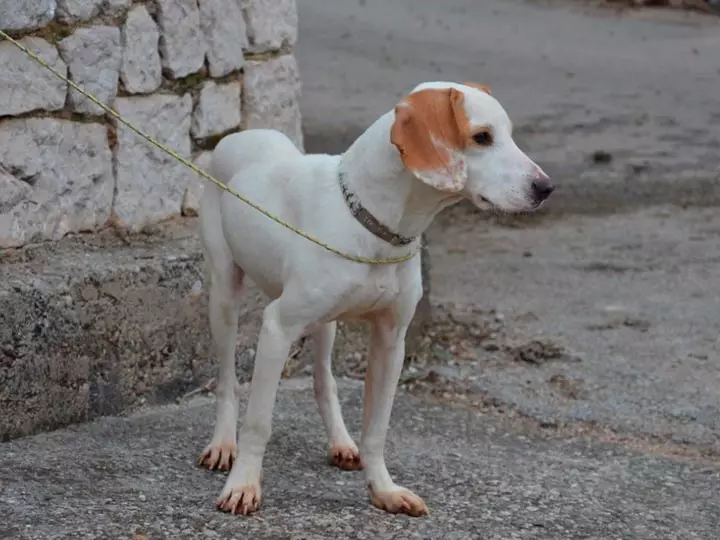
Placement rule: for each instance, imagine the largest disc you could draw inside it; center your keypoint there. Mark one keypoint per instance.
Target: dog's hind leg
(343, 452)
(226, 282)
(224, 310)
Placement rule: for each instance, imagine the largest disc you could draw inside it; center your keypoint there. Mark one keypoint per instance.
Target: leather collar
(366, 219)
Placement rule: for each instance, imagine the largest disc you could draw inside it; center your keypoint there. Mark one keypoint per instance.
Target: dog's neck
(391, 193)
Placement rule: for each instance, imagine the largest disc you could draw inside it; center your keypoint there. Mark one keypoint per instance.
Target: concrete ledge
(92, 324)
(97, 324)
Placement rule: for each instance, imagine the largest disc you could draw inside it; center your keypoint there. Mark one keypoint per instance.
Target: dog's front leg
(241, 494)
(385, 362)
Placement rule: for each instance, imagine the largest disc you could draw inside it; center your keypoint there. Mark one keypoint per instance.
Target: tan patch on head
(481, 87)
(431, 129)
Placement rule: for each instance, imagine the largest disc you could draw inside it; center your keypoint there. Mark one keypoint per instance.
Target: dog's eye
(483, 138)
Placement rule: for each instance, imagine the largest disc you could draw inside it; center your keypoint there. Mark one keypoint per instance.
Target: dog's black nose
(542, 188)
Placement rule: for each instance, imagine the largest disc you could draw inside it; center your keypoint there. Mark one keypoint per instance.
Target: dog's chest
(379, 291)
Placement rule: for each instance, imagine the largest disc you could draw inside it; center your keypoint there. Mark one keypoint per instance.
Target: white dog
(440, 144)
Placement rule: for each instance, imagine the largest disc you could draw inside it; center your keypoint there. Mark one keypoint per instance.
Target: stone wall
(185, 71)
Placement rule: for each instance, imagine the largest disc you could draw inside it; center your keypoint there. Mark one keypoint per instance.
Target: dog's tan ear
(481, 87)
(430, 131)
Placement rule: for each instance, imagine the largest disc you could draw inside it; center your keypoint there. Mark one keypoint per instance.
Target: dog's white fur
(310, 288)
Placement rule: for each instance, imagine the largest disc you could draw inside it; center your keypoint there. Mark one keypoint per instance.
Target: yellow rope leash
(196, 169)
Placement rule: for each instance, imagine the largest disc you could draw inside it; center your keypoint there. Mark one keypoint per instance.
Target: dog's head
(457, 139)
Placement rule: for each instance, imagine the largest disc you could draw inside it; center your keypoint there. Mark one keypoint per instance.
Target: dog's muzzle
(541, 188)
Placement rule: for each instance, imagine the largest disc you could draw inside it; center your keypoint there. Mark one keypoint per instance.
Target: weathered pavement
(632, 296)
(481, 476)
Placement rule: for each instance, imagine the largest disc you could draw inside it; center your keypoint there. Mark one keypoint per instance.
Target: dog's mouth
(482, 202)
(512, 207)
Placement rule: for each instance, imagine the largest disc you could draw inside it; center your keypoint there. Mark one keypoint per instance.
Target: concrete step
(98, 324)
(93, 324)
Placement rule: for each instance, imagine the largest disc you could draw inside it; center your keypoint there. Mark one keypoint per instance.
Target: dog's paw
(241, 500)
(345, 457)
(218, 456)
(399, 501)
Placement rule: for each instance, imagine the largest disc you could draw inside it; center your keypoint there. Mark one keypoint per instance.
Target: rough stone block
(271, 24)
(115, 7)
(94, 56)
(218, 109)
(26, 14)
(72, 11)
(223, 26)
(78, 10)
(182, 44)
(27, 86)
(141, 71)
(150, 184)
(272, 90)
(55, 177)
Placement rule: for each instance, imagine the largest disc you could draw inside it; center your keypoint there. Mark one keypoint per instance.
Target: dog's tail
(235, 152)
(228, 157)
(222, 163)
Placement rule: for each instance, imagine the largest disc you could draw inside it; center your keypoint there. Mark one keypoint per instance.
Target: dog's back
(247, 148)
(267, 168)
